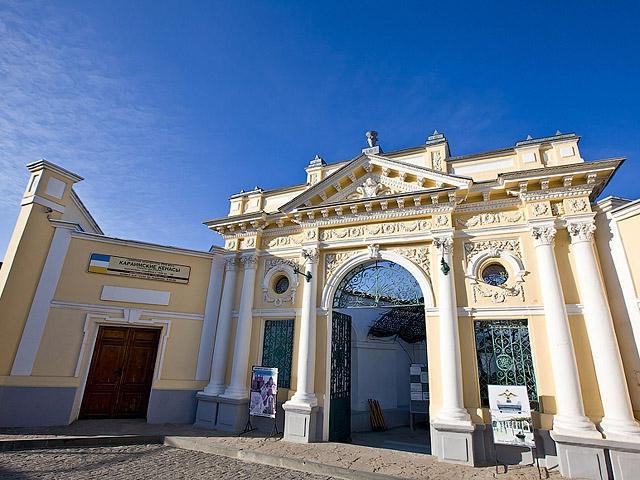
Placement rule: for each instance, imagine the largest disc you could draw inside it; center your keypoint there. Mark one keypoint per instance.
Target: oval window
(281, 285)
(495, 274)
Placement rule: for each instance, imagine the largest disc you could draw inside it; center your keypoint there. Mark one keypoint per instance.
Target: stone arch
(331, 286)
(483, 257)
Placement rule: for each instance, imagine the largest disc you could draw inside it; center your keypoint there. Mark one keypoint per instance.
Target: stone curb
(75, 442)
(307, 466)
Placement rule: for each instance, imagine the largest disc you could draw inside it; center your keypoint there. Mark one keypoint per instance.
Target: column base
(620, 430)
(580, 427)
(300, 422)
(213, 390)
(453, 443)
(221, 413)
(237, 393)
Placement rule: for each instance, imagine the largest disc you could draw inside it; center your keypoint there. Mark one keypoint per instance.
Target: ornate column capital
(249, 261)
(231, 264)
(310, 255)
(444, 243)
(374, 250)
(543, 234)
(581, 231)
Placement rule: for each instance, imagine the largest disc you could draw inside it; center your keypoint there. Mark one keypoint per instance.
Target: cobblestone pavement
(138, 462)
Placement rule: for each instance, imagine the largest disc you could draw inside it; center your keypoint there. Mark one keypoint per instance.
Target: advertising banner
(135, 267)
(264, 392)
(511, 415)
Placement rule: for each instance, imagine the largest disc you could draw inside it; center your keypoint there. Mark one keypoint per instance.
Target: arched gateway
(390, 290)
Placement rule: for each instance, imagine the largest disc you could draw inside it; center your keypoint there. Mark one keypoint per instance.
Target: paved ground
(138, 462)
(253, 447)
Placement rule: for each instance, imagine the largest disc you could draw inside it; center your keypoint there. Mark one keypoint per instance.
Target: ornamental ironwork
(504, 357)
(378, 283)
(277, 349)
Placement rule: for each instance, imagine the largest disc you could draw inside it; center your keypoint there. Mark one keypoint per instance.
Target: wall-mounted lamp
(306, 275)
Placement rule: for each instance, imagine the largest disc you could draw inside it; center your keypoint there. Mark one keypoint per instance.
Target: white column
(307, 344)
(618, 422)
(210, 321)
(34, 327)
(452, 411)
(216, 384)
(570, 418)
(238, 386)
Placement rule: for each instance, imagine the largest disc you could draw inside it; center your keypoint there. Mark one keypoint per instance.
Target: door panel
(340, 395)
(121, 373)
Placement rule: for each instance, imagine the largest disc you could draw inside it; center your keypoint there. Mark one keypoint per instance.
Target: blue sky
(167, 108)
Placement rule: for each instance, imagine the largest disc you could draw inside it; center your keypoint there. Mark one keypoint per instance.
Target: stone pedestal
(453, 444)
(580, 458)
(206, 411)
(300, 423)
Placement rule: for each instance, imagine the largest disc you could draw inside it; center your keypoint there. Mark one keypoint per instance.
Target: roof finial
(558, 132)
(317, 161)
(529, 137)
(372, 138)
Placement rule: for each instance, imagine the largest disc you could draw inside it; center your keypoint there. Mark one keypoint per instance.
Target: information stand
(263, 396)
(419, 399)
(511, 420)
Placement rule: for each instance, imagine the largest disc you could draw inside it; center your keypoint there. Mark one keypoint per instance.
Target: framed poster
(264, 392)
(511, 415)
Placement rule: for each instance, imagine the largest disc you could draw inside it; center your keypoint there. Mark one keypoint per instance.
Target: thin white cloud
(64, 98)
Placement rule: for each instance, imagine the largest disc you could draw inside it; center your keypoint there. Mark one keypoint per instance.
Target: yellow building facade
(493, 268)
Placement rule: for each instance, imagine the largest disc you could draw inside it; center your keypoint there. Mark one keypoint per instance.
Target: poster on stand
(264, 392)
(511, 415)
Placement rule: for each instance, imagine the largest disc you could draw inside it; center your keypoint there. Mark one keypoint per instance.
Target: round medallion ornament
(504, 362)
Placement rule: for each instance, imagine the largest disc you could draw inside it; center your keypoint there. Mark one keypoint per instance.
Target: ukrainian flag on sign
(99, 263)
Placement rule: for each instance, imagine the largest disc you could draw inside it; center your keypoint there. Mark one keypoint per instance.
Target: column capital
(310, 255)
(581, 230)
(231, 263)
(543, 233)
(444, 242)
(249, 261)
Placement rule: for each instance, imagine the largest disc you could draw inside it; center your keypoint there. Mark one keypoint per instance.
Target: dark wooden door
(340, 399)
(121, 372)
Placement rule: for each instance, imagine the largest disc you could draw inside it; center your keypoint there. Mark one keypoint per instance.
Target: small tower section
(437, 151)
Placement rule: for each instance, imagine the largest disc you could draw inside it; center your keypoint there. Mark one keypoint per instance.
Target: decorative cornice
(488, 205)
(554, 193)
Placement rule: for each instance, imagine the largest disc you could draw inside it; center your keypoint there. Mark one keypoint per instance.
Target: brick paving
(138, 462)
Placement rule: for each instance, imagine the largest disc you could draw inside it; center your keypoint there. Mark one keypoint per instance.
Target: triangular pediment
(370, 176)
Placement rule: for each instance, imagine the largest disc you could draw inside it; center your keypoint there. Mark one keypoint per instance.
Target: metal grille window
(504, 357)
(379, 283)
(277, 349)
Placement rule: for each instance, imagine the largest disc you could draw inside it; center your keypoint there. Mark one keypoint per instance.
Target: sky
(167, 108)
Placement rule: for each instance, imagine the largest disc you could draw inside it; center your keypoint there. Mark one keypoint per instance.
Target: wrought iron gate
(504, 357)
(340, 399)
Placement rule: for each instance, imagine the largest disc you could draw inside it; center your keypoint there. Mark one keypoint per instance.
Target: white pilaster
(618, 422)
(307, 347)
(237, 389)
(34, 327)
(570, 418)
(216, 384)
(452, 411)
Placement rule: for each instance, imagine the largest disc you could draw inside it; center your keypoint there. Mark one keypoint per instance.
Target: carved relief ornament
(444, 243)
(581, 231)
(414, 226)
(490, 218)
(543, 235)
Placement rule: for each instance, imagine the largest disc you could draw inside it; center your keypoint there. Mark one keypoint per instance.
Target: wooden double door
(121, 373)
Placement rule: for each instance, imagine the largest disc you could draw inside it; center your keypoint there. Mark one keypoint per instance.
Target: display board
(419, 385)
(264, 392)
(511, 415)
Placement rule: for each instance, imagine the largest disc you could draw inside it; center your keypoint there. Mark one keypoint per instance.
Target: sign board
(264, 392)
(511, 415)
(419, 385)
(135, 267)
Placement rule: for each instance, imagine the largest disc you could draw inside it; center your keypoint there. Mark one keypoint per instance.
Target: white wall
(379, 370)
